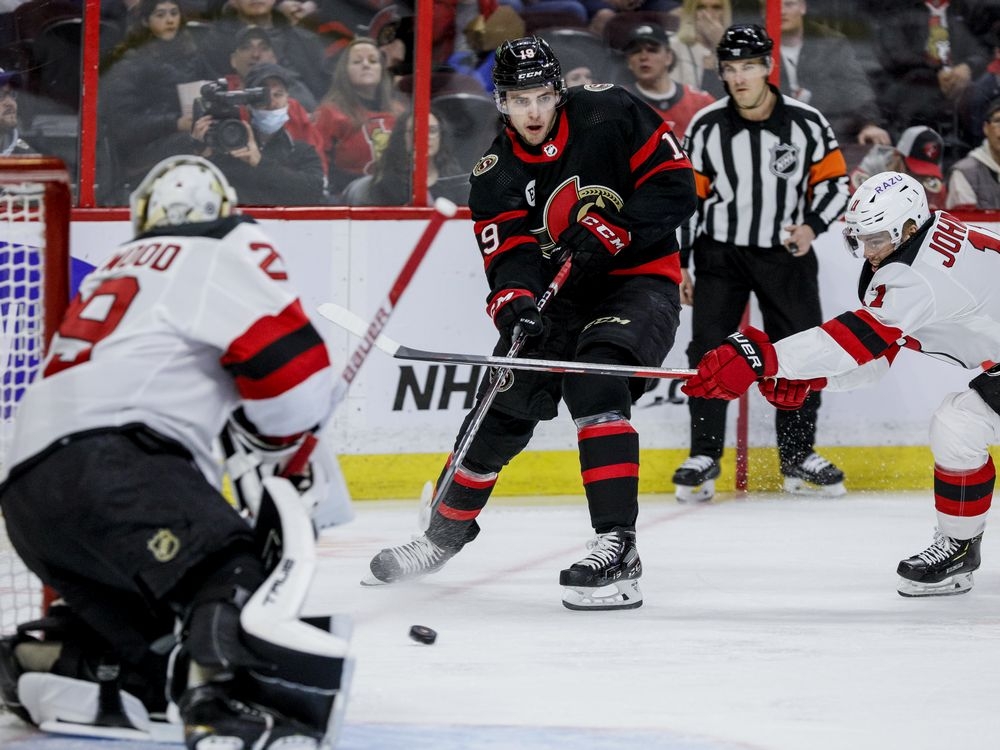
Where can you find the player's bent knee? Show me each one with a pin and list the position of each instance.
(961, 429)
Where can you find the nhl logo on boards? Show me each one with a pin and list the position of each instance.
(784, 160)
(485, 164)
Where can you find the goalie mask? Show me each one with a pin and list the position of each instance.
(883, 205)
(181, 190)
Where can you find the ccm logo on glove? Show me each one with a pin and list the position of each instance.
(614, 238)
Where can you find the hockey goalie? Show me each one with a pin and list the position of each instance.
(176, 616)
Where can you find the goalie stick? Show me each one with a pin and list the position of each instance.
(353, 323)
(444, 209)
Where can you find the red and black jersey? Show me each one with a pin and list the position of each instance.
(607, 149)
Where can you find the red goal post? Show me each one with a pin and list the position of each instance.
(35, 204)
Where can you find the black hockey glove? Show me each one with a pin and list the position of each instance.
(515, 310)
(594, 241)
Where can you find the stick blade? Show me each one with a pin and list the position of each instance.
(354, 324)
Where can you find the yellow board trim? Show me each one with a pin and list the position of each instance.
(379, 477)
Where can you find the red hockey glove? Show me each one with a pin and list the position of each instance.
(728, 370)
(515, 310)
(789, 394)
(593, 241)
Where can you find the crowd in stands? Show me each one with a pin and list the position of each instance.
(345, 72)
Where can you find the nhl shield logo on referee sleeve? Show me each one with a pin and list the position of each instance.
(784, 160)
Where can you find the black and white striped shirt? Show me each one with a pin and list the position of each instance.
(753, 178)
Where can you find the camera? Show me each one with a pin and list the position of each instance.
(228, 132)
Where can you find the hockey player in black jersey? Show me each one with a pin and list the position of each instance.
(593, 175)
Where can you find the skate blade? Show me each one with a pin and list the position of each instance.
(950, 586)
(619, 595)
(796, 486)
(702, 493)
(371, 580)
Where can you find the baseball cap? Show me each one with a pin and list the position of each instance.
(11, 77)
(922, 148)
(262, 71)
(647, 32)
(247, 33)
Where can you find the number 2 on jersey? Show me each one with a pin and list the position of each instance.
(89, 322)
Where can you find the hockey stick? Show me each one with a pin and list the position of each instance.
(355, 325)
(444, 209)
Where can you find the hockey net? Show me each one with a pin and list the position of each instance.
(34, 292)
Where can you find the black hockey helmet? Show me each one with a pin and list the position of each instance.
(526, 63)
(744, 41)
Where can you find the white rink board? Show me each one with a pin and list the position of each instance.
(354, 263)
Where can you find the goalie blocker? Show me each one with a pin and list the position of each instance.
(247, 674)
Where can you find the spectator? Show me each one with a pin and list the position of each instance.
(142, 113)
(974, 181)
(357, 114)
(251, 46)
(918, 153)
(296, 49)
(818, 67)
(982, 91)
(11, 143)
(390, 185)
(603, 11)
(269, 167)
(702, 23)
(930, 57)
(770, 179)
(394, 26)
(482, 36)
(650, 59)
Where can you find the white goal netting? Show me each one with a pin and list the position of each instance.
(34, 270)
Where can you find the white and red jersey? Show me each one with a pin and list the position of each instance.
(174, 331)
(937, 295)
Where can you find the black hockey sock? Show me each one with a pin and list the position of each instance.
(964, 493)
(454, 521)
(609, 463)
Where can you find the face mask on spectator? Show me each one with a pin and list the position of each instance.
(269, 121)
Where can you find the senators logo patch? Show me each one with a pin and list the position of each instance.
(596, 86)
(485, 164)
(569, 203)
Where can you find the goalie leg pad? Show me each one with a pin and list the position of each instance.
(294, 696)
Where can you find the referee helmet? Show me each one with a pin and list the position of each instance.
(744, 41)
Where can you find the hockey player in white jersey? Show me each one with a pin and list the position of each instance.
(929, 284)
(111, 495)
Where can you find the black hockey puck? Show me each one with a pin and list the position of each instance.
(423, 634)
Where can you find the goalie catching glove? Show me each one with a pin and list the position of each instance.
(594, 241)
(788, 394)
(727, 371)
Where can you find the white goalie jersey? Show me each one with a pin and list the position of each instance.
(174, 331)
(939, 296)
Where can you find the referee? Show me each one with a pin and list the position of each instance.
(770, 178)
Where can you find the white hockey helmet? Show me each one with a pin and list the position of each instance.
(180, 190)
(884, 202)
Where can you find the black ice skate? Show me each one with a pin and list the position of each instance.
(407, 561)
(943, 569)
(607, 578)
(694, 480)
(214, 720)
(814, 476)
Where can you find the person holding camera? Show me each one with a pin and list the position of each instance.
(142, 117)
(258, 155)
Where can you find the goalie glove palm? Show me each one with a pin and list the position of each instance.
(727, 371)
